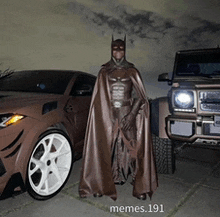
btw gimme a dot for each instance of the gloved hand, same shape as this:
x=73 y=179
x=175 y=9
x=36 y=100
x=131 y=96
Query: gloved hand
x=128 y=121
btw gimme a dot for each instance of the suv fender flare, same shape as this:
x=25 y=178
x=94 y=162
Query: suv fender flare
x=159 y=111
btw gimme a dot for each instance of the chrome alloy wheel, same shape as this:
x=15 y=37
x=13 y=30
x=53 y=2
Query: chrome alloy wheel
x=49 y=165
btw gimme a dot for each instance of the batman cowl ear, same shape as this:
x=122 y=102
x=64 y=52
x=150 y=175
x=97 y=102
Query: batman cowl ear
x=125 y=39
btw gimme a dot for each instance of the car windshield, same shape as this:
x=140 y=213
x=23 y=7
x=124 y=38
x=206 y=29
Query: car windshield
x=54 y=82
x=204 y=64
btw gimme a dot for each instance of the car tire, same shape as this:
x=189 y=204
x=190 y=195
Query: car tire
x=49 y=165
x=164 y=155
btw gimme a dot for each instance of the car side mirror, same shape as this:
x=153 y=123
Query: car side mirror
x=164 y=77
x=85 y=89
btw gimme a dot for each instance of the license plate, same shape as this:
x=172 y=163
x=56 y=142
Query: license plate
x=214 y=129
x=217 y=121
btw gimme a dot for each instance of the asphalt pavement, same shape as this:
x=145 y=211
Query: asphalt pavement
x=194 y=190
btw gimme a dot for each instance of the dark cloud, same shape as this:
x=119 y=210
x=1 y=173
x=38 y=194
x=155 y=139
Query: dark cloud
x=141 y=24
x=205 y=28
x=112 y=23
x=145 y=25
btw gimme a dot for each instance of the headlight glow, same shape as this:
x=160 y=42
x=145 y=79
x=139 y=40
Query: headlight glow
x=8 y=119
x=183 y=99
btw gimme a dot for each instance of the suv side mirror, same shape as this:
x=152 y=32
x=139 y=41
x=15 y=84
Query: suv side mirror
x=164 y=77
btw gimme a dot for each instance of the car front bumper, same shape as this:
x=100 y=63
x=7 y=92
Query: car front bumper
x=10 y=146
x=15 y=143
x=192 y=129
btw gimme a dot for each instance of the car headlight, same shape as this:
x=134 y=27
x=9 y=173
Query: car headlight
x=8 y=119
x=183 y=99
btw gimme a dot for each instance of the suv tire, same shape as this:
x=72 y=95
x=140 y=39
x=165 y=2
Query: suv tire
x=164 y=155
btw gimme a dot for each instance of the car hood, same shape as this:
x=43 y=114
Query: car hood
x=18 y=102
x=197 y=83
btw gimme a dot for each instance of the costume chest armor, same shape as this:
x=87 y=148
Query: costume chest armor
x=120 y=89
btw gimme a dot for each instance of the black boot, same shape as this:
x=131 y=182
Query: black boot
x=97 y=195
x=142 y=197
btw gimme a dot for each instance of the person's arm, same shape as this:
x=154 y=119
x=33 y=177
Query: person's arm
x=130 y=119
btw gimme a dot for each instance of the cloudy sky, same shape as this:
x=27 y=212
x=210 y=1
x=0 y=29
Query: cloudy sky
x=76 y=34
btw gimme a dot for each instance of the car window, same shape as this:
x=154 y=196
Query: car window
x=198 y=64
x=83 y=86
x=54 y=82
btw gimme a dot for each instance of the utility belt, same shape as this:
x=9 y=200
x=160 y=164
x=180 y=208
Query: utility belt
x=120 y=103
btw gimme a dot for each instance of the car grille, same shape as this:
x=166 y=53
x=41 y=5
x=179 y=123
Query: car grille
x=210 y=101
x=2 y=168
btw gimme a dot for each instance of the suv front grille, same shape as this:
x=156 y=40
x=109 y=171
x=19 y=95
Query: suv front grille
x=210 y=101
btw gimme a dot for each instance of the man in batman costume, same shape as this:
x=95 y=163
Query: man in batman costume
x=118 y=139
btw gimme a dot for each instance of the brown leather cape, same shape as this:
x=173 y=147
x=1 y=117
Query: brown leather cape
x=96 y=174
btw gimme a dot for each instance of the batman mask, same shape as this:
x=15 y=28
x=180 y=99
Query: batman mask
x=118 y=49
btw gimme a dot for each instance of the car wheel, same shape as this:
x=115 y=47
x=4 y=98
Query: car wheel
x=164 y=155
x=49 y=165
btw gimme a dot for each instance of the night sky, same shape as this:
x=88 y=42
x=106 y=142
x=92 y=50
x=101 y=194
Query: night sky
x=66 y=34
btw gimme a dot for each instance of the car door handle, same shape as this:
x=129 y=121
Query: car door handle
x=69 y=108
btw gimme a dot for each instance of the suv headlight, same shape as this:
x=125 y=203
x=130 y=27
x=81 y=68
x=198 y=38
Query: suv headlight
x=8 y=119
x=183 y=99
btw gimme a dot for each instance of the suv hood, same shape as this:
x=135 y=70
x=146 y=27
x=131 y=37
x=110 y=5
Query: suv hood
x=197 y=82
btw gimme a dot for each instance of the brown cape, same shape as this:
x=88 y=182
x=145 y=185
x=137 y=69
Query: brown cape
x=96 y=175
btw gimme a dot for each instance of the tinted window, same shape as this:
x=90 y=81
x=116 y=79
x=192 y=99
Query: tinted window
x=83 y=86
x=198 y=64
x=36 y=81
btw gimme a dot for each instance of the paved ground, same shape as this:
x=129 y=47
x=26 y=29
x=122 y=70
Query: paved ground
x=194 y=190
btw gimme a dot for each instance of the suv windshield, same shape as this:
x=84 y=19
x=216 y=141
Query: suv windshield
x=36 y=81
x=198 y=64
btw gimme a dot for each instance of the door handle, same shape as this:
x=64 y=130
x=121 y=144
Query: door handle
x=69 y=108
